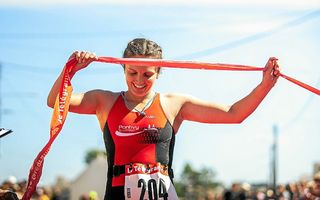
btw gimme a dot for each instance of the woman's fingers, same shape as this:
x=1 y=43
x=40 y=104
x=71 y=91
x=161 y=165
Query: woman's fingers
x=275 y=69
x=77 y=55
x=84 y=56
x=271 y=71
x=93 y=56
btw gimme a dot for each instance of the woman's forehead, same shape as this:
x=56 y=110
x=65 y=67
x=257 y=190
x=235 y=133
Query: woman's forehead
x=141 y=68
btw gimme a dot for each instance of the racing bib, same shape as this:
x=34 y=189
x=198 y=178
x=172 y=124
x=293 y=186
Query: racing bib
x=148 y=182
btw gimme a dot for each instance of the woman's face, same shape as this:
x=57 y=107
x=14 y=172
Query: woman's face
x=140 y=79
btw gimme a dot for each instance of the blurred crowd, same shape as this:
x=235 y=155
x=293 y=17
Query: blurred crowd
x=11 y=185
x=301 y=190
x=11 y=189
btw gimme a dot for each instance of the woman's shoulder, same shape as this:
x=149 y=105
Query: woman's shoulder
x=106 y=101
x=106 y=93
x=172 y=104
x=174 y=100
x=105 y=97
x=172 y=96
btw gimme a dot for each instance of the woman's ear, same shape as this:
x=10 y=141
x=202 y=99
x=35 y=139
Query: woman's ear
x=158 y=72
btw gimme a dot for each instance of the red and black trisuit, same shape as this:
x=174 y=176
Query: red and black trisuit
x=132 y=137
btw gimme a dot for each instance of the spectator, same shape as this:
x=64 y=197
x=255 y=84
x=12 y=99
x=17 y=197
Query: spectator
x=8 y=195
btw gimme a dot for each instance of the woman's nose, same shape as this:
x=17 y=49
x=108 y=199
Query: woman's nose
x=140 y=78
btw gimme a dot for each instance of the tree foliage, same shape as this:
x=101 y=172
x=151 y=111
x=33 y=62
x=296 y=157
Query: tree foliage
x=93 y=154
x=195 y=184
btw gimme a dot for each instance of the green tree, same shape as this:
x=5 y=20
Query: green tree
x=194 y=184
x=93 y=154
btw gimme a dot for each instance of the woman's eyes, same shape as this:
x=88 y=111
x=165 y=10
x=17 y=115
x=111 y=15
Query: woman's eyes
x=148 y=75
x=132 y=73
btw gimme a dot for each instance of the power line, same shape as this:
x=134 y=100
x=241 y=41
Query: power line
x=252 y=38
x=22 y=100
x=28 y=68
x=22 y=36
x=302 y=110
x=82 y=35
x=43 y=70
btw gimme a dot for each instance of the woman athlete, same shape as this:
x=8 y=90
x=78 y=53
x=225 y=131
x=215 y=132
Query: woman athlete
x=139 y=125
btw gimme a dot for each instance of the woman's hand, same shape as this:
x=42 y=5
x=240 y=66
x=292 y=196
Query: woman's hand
x=271 y=72
x=83 y=58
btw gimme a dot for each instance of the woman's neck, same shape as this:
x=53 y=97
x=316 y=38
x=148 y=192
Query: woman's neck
x=138 y=99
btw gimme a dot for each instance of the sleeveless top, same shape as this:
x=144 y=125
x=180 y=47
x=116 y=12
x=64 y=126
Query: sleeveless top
x=130 y=137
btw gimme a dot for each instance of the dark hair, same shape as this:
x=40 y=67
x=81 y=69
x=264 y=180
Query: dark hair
x=143 y=47
x=9 y=196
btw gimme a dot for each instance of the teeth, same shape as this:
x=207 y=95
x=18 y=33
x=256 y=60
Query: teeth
x=139 y=86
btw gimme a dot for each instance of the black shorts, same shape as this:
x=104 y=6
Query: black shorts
x=117 y=193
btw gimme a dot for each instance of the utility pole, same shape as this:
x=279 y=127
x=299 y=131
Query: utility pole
x=274 y=162
x=0 y=94
x=0 y=103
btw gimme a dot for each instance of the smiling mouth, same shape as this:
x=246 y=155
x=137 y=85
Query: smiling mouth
x=139 y=86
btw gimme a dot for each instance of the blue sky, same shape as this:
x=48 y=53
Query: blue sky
x=36 y=40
